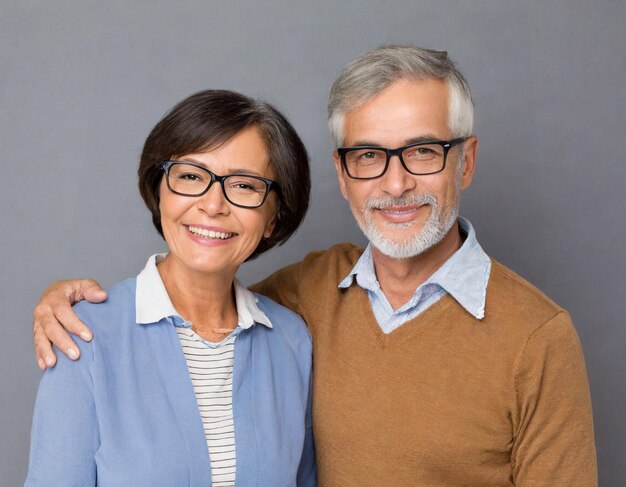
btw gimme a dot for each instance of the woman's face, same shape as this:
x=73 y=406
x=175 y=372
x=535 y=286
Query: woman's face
x=233 y=232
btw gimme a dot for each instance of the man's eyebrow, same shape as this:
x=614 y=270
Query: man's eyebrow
x=422 y=138
x=412 y=140
x=365 y=142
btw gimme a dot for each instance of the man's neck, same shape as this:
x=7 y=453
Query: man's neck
x=399 y=278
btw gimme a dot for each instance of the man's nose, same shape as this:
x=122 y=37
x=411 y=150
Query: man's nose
x=397 y=180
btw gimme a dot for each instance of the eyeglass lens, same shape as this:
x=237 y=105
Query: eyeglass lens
x=239 y=189
x=419 y=159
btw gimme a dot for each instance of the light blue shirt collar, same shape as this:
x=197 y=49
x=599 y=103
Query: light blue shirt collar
x=152 y=303
x=464 y=275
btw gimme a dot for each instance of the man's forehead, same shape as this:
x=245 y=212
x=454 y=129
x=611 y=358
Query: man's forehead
x=405 y=111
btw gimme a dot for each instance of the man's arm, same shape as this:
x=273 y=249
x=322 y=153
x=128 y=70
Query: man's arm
x=55 y=319
x=554 y=443
x=54 y=315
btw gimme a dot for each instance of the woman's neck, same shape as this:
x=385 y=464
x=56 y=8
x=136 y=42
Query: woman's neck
x=205 y=299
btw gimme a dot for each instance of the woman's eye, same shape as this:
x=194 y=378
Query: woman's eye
x=243 y=186
x=189 y=177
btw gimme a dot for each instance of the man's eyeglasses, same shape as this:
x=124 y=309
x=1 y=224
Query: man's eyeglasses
x=421 y=158
x=243 y=190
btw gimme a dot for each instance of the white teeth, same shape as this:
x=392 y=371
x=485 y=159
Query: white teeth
x=399 y=212
x=203 y=232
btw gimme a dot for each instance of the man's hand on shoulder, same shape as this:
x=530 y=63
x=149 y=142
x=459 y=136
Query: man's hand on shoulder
x=54 y=318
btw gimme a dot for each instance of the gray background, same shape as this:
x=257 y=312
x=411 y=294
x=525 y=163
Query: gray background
x=82 y=83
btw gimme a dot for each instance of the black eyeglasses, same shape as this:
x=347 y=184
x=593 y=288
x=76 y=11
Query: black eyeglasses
x=420 y=159
x=243 y=190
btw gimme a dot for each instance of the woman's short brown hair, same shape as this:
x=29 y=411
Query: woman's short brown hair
x=208 y=119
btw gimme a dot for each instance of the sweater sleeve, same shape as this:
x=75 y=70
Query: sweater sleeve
x=283 y=286
x=64 y=436
x=553 y=428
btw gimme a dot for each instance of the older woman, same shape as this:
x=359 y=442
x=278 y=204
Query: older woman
x=192 y=380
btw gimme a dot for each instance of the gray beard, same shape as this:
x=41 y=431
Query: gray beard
x=436 y=227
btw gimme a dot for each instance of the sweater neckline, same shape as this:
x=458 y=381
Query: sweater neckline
x=408 y=329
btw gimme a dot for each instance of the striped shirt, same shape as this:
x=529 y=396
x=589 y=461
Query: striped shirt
x=211 y=371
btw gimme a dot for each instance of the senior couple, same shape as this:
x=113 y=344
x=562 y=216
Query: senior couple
x=434 y=364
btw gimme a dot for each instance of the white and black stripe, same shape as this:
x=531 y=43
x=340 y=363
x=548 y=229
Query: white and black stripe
x=211 y=372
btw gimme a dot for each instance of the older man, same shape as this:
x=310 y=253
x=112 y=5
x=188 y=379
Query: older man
x=434 y=364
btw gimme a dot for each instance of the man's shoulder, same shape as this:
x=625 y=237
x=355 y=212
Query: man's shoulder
x=336 y=260
x=318 y=271
x=509 y=293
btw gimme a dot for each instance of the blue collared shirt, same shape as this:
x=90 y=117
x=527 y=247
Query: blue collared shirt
x=464 y=276
x=126 y=413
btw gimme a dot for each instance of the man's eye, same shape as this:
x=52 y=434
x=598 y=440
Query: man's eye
x=369 y=157
x=420 y=153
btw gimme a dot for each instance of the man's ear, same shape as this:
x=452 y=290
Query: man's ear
x=469 y=161
x=341 y=175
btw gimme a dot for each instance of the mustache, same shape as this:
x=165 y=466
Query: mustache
x=405 y=200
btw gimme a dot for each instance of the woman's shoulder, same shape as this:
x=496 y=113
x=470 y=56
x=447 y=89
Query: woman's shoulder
x=119 y=304
x=283 y=319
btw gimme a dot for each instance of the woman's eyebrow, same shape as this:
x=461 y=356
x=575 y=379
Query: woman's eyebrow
x=234 y=170
x=243 y=170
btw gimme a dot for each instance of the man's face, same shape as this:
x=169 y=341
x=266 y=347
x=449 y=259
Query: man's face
x=401 y=214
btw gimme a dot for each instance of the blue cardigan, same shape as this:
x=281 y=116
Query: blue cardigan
x=125 y=413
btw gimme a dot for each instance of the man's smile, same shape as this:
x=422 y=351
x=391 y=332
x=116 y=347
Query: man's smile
x=400 y=214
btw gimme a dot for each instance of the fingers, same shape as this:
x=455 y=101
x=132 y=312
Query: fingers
x=61 y=339
x=47 y=331
x=54 y=313
x=91 y=291
x=64 y=317
x=43 y=349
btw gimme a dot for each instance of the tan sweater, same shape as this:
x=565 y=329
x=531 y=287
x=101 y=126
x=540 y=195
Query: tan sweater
x=446 y=399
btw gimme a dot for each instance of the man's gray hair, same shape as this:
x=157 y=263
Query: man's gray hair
x=372 y=72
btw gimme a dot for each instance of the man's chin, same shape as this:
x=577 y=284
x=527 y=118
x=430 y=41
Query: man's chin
x=392 y=245
x=403 y=241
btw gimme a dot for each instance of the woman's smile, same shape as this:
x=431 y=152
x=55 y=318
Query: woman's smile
x=209 y=233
